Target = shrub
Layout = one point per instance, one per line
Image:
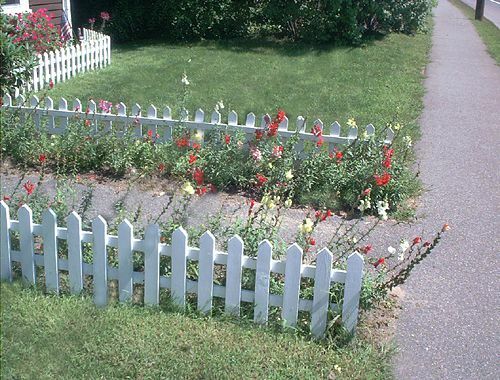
(17, 60)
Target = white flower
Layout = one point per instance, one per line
(188, 189)
(404, 245)
(391, 250)
(337, 368)
(307, 226)
(185, 80)
(364, 204)
(220, 104)
(288, 203)
(289, 175)
(397, 126)
(407, 141)
(382, 207)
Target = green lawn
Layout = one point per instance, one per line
(488, 31)
(49, 337)
(373, 83)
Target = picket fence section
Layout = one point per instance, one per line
(207, 256)
(93, 52)
(161, 124)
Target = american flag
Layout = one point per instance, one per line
(66, 32)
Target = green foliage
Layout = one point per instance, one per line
(16, 59)
(343, 21)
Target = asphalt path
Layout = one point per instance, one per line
(491, 10)
(449, 327)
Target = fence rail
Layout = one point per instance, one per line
(162, 124)
(93, 52)
(180, 253)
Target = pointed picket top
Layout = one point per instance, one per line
(45, 56)
(324, 253)
(136, 110)
(92, 106)
(77, 105)
(63, 104)
(232, 118)
(5, 247)
(125, 225)
(49, 103)
(34, 101)
(370, 130)
(266, 120)
(122, 109)
(318, 123)
(74, 218)
(389, 136)
(199, 116)
(265, 246)
(179, 232)
(283, 126)
(291, 293)
(49, 216)
(51, 55)
(250, 121)
(26, 210)
(20, 100)
(353, 133)
(207, 238)
(99, 222)
(7, 100)
(167, 113)
(235, 244)
(335, 129)
(184, 114)
(301, 124)
(4, 206)
(294, 250)
(215, 118)
(152, 111)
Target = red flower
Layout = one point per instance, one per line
(42, 158)
(320, 141)
(6, 198)
(417, 240)
(322, 216)
(51, 84)
(227, 139)
(201, 191)
(339, 156)
(281, 116)
(105, 16)
(161, 167)
(446, 227)
(366, 249)
(261, 179)
(213, 188)
(316, 130)
(383, 179)
(366, 192)
(150, 133)
(198, 176)
(196, 146)
(426, 244)
(312, 241)
(387, 162)
(379, 261)
(273, 129)
(252, 203)
(182, 142)
(29, 187)
(192, 159)
(258, 134)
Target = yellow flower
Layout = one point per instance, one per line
(188, 189)
(288, 203)
(307, 226)
(351, 122)
(198, 136)
(289, 175)
(270, 165)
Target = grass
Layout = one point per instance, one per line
(46, 337)
(373, 83)
(488, 31)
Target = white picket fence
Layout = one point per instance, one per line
(93, 52)
(206, 255)
(118, 120)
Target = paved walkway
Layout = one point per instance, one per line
(450, 328)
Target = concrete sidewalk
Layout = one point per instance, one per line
(449, 328)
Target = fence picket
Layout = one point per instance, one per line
(352, 291)
(321, 295)
(178, 277)
(75, 259)
(293, 269)
(125, 260)
(100, 261)
(206, 272)
(50, 262)
(232, 118)
(233, 276)
(6, 269)
(63, 106)
(152, 265)
(262, 281)
(26, 244)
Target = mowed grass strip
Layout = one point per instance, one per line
(488, 31)
(373, 83)
(50, 337)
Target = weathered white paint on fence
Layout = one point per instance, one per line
(101, 271)
(138, 125)
(25, 217)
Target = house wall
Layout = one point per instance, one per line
(54, 9)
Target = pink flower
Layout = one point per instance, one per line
(105, 16)
(277, 151)
(256, 154)
(92, 20)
